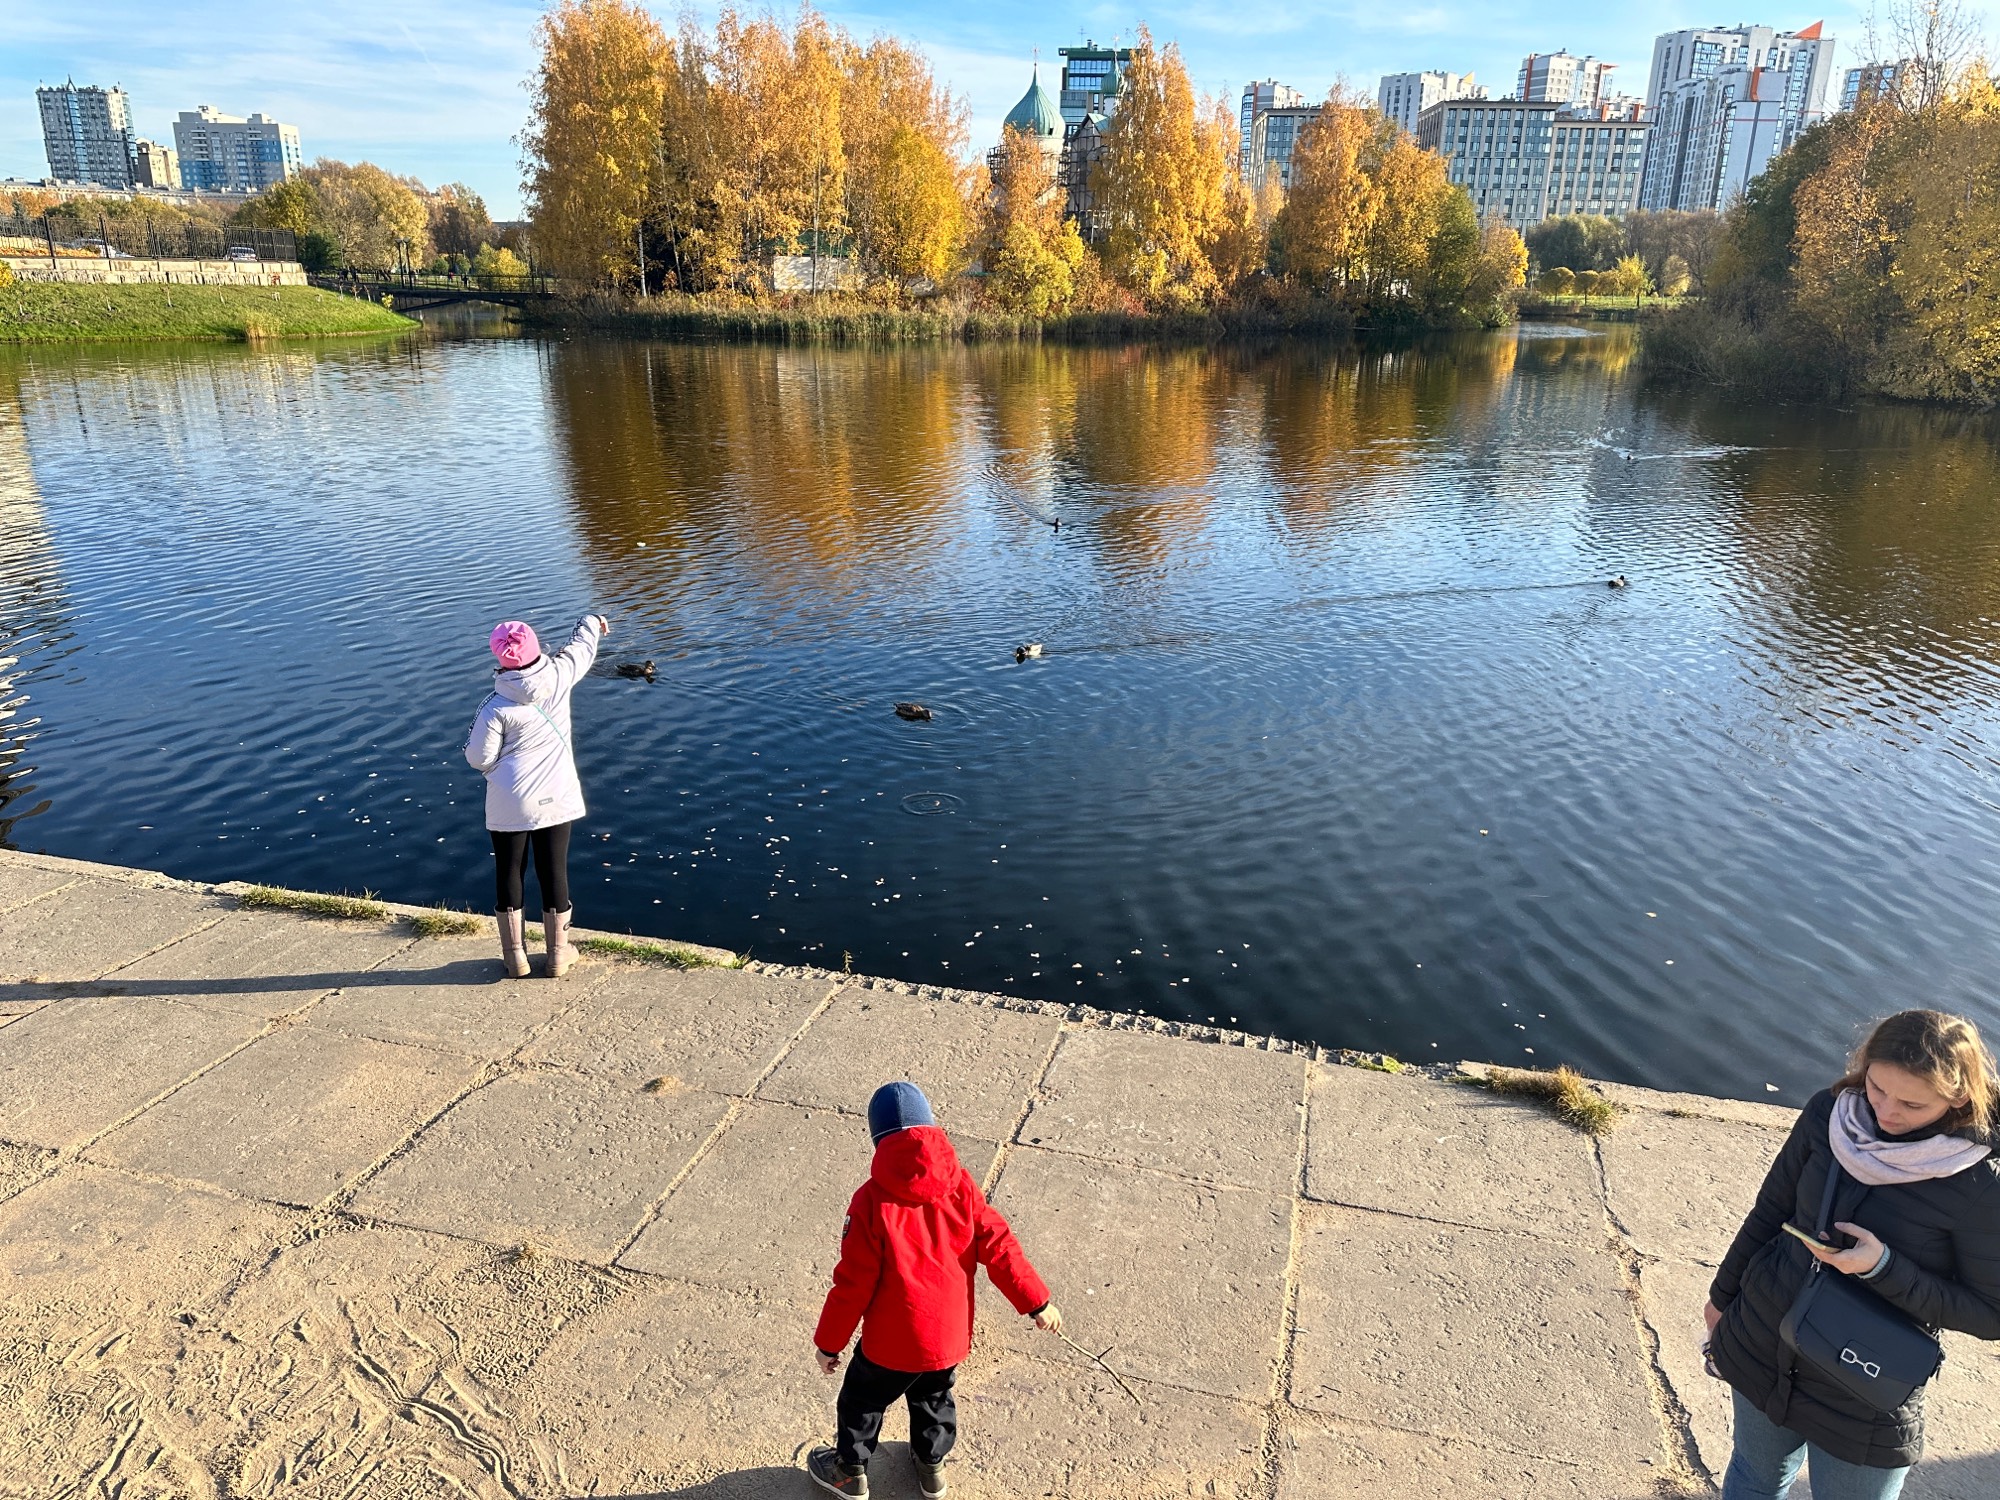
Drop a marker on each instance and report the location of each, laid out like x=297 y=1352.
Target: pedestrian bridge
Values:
x=415 y=293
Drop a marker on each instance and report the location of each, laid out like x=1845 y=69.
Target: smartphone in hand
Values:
x=1839 y=1241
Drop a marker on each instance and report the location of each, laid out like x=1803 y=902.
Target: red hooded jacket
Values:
x=917 y=1231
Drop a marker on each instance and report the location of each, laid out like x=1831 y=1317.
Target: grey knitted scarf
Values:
x=1860 y=1149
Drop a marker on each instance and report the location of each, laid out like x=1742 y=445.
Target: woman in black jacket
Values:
x=1911 y=1127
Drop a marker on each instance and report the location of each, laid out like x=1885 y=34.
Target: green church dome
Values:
x=1037 y=112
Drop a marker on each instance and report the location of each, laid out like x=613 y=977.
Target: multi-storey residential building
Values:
x=1722 y=103
x=1403 y=97
x=1559 y=78
x=155 y=166
x=1524 y=160
x=229 y=154
x=1089 y=73
x=1272 y=140
x=87 y=133
x=1266 y=94
x=1873 y=81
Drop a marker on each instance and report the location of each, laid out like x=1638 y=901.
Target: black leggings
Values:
x=510 y=863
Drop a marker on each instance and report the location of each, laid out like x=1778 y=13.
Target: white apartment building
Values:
x=1272 y=140
x=155 y=166
x=1403 y=97
x=87 y=133
x=1525 y=160
x=1723 y=102
x=1560 y=78
x=229 y=154
x=1258 y=98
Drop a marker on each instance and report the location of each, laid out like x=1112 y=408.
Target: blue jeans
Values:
x=1768 y=1457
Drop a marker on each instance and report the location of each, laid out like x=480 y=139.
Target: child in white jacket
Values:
x=521 y=740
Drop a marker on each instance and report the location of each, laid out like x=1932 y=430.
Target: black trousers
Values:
x=510 y=864
x=871 y=1389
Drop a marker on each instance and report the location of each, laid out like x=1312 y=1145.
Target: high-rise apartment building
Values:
x=1089 y=73
x=229 y=154
x=1258 y=98
x=1559 y=78
x=1873 y=81
x=1272 y=139
x=1524 y=160
x=87 y=133
x=1403 y=97
x=1722 y=103
x=155 y=166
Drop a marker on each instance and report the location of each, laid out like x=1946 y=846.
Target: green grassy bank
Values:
x=833 y=320
x=67 y=312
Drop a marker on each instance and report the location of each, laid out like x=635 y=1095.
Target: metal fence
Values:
x=68 y=234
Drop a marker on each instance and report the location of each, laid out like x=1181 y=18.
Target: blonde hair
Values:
x=1944 y=1050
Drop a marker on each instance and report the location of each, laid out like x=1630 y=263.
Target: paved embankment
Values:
x=301 y=1207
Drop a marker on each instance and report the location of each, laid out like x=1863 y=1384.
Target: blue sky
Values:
x=435 y=89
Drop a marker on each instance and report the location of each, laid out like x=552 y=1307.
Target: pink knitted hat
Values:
x=514 y=643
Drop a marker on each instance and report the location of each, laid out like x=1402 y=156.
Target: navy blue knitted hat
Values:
x=897 y=1106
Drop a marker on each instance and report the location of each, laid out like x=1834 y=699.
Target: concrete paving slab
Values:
x=265 y=964
x=20 y=884
x=1187 y=1280
x=77 y=1067
x=713 y=1029
x=451 y=993
x=95 y=925
x=674 y=1385
x=1962 y=1426
x=762 y=1211
x=1672 y=1296
x=1220 y=1114
x=22 y=1165
x=1680 y=1186
x=1512 y=1340
x=976 y=1063
x=1462 y=1156
x=1043 y=1427
x=562 y=1163
x=105 y=1245
x=293 y=1118
x=1374 y=1463
x=1742 y=1111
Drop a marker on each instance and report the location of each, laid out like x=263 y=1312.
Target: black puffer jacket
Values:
x=1945 y=1273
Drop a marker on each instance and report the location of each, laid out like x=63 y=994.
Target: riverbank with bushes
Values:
x=857 y=321
x=71 y=312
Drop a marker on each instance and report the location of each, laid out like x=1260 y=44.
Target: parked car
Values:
x=98 y=247
x=243 y=252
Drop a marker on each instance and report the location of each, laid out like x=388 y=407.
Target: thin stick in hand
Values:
x=1098 y=1360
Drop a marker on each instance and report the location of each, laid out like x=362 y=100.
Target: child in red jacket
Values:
x=916 y=1232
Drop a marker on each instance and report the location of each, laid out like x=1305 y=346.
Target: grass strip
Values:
x=441 y=921
x=653 y=953
x=313 y=904
x=59 y=312
x=1565 y=1091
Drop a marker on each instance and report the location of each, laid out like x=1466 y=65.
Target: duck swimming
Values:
x=1617 y=583
x=636 y=669
x=1022 y=653
x=916 y=713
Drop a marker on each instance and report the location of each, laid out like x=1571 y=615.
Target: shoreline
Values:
x=37 y=313
x=330 y=1201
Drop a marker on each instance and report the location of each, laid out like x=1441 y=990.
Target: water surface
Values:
x=1338 y=734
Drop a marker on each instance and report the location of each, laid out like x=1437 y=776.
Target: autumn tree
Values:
x=1410 y=194
x=1162 y=182
x=904 y=137
x=1330 y=207
x=1033 y=254
x=591 y=147
x=459 y=222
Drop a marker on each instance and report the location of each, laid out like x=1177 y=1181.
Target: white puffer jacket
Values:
x=521 y=739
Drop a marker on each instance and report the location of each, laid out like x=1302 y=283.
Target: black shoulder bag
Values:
x=1873 y=1351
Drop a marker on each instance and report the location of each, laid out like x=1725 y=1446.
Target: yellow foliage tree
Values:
x=1330 y=208
x=1161 y=185
x=1033 y=254
x=592 y=144
x=1410 y=190
x=911 y=225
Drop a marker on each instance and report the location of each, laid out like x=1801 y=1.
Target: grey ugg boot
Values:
x=555 y=935
x=513 y=945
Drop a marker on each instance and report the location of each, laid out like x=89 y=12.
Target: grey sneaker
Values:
x=930 y=1479
x=835 y=1477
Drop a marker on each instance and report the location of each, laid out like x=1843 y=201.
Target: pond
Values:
x=1338 y=732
